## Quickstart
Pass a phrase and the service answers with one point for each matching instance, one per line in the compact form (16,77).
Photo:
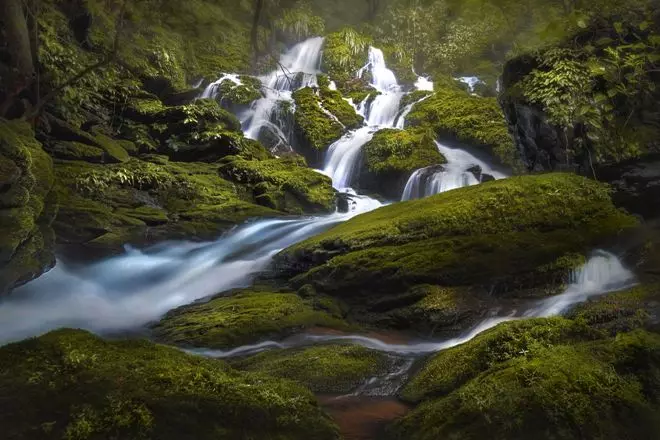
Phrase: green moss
(332,101)
(242,94)
(77,151)
(323,369)
(25,247)
(496,234)
(70,384)
(601,389)
(450,369)
(344,52)
(470,119)
(621,311)
(286,183)
(316,128)
(401,151)
(241,318)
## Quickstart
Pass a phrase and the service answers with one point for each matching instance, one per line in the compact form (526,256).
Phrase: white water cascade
(458,172)
(343,156)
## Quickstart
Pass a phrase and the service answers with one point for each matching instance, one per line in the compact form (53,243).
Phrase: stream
(127,292)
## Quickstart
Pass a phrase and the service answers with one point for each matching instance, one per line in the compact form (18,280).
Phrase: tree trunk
(256,20)
(21,64)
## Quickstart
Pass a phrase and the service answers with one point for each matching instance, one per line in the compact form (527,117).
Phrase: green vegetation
(401,151)
(324,369)
(477,121)
(322,116)
(537,386)
(26,205)
(508,235)
(69,384)
(344,53)
(243,317)
(248,91)
(621,311)
(285,184)
(393,155)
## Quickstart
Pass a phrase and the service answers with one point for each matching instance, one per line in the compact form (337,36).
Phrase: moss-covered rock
(285,184)
(71,384)
(27,205)
(450,369)
(243,317)
(232,95)
(392,156)
(174,199)
(600,389)
(507,236)
(477,121)
(637,307)
(344,53)
(323,369)
(322,116)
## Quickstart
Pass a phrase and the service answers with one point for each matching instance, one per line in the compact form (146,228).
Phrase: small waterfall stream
(462,169)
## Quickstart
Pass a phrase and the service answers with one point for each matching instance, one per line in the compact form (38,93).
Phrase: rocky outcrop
(27,206)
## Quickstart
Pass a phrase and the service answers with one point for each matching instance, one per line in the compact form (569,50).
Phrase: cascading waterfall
(343,156)
(462,169)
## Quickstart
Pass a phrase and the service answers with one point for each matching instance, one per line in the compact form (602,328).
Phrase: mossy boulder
(27,205)
(638,307)
(323,369)
(451,368)
(242,317)
(596,389)
(285,184)
(106,206)
(392,156)
(453,113)
(232,95)
(322,116)
(71,384)
(512,236)
(344,53)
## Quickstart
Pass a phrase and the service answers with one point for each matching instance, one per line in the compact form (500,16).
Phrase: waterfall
(342,157)
(462,169)
(298,68)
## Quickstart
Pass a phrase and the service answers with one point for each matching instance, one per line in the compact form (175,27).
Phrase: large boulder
(541,379)
(27,206)
(512,237)
(71,384)
(242,317)
(392,156)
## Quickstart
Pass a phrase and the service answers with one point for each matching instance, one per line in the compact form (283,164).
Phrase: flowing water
(462,169)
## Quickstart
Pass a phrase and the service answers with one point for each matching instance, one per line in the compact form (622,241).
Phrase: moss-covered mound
(108,205)
(506,235)
(285,184)
(638,307)
(452,112)
(322,116)
(233,95)
(243,317)
(69,384)
(344,53)
(450,369)
(324,369)
(27,205)
(392,156)
(536,386)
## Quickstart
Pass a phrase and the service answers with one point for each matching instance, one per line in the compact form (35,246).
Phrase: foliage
(300,22)
(70,384)
(242,317)
(596,92)
(344,53)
